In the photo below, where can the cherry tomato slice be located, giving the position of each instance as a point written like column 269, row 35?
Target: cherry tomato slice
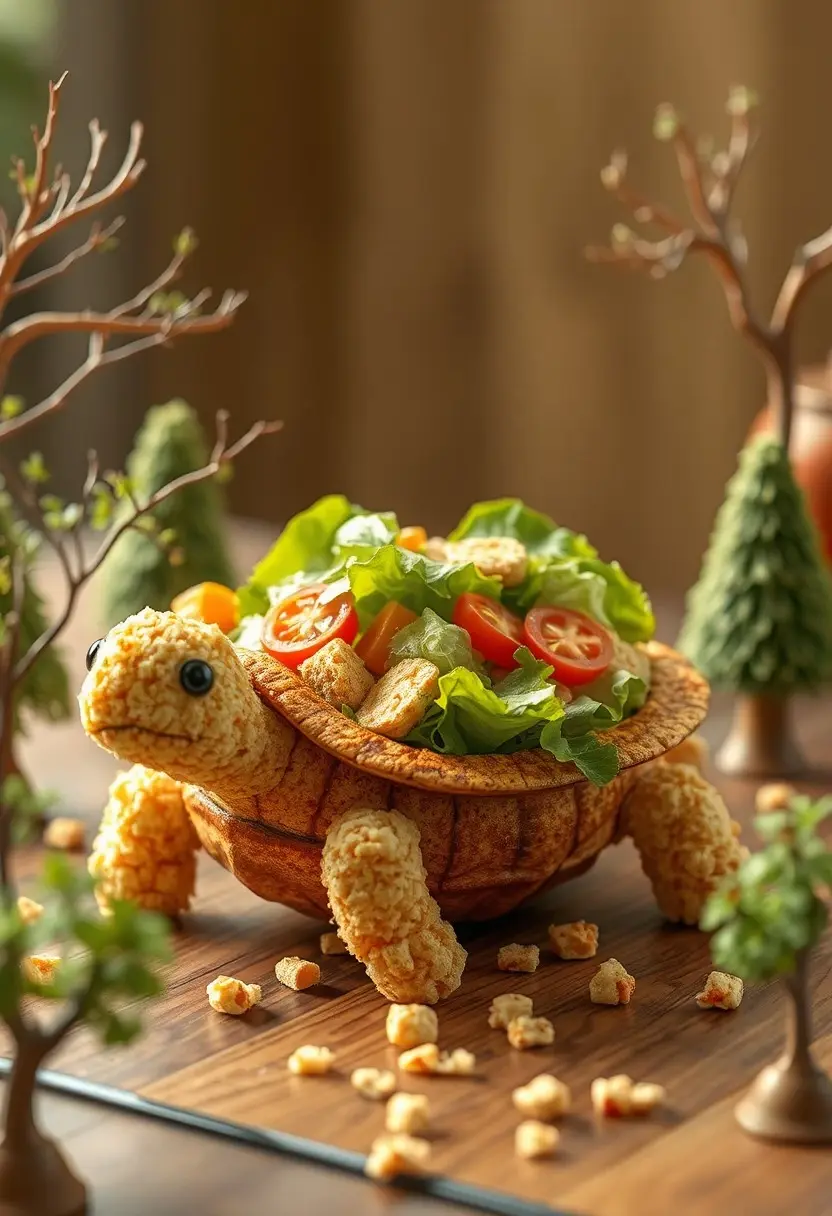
column 301, row 624
column 494, row 631
column 577, row 647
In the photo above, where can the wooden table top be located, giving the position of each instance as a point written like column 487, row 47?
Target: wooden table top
column 688, row 1159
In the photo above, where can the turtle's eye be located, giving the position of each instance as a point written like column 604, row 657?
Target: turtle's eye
column 196, row 677
column 92, row 653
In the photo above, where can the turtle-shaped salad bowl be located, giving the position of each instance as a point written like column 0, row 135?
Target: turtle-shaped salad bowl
column 272, row 770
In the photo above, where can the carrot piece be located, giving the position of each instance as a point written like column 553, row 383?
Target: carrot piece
column 374, row 646
column 412, row 538
column 209, row 602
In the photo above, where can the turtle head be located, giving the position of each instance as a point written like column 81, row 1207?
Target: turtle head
column 171, row 693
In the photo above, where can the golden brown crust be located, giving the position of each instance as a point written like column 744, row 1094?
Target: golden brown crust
column 676, row 706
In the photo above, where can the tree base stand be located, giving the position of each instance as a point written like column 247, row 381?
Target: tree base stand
column 761, row 742
column 37, row 1181
column 790, row 1104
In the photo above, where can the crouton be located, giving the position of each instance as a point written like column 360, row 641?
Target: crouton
column 297, row 973
column 40, row 968
column 499, row 557
column 545, row 1097
column 66, row 834
column 411, row 1025
column 525, row 1032
column 229, row 995
column 331, row 943
column 722, row 991
column 309, row 1061
column 407, row 1113
column 518, row 958
column 507, row 1007
column 29, row 910
column 775, row 796
column 337, row 674
column 533, row 1139
column 619, row 1096
column 373, row 1083
column 399, row 701
column 396, row 1154
column 575, row 940
column 611, row 984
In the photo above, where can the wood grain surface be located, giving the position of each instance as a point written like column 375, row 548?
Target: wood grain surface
column 690, row 1158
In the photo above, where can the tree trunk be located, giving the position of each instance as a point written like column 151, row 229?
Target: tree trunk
column 35, row 1180
column 761, row 742
column 791, row 1100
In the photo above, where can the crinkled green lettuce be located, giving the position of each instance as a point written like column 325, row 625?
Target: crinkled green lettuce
column 314, row 543
column 524, row 711
column 392, row 573
column 445, row 645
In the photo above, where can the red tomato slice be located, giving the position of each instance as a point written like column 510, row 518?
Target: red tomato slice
column 577, row 647
column 494, row 631
column 301, row 624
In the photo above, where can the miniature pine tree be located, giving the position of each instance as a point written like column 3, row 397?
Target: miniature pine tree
column 768, row 917
column 45, row 690
column 759, row 619
column 144, row 573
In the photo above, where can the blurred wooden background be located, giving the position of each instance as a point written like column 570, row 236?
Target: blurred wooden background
column 406, row 190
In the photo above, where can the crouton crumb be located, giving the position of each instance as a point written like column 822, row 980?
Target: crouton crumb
column 373, row 1083
column 29, row 910
column 227, row 995
column 297, row 973
column 611, row 984
column 408, row 1113
column 544, row 1097
column 721, row 991
column 525, row 1032
column 396, row 1154
column 41, row 968
column 775, row 796
column 533, row 1139
column 518, row 958
column 309, row 1061
column 411, row 1025
column 332, row 944
column 507, row 1007
column 619, row 1096
column 66, row 834
column 427, row 1059
column 579, row 939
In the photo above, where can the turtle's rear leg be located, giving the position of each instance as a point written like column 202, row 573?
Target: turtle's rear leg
column 376, row 882
column 685, row 836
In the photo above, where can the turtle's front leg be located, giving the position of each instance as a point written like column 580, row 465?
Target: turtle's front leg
column 376, row 882
column 684, row 834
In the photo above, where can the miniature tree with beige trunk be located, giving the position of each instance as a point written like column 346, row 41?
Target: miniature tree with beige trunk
column 759, row 620
column 106, row 961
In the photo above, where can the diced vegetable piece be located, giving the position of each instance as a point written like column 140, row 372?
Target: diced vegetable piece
column 414, row 538
column 209, row 602
column 374, row 646
column 298, row 626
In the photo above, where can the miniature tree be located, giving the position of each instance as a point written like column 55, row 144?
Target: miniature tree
column 768, row 918
column 116, row 955
column 760, row 740
column 45, row 692
column 171, row 442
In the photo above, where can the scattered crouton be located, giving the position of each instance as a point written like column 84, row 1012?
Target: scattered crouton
column 518, row 958
column 332, row 944
column 337, row 674
column 722, row 991
column 227, row 995
column 611, row 984
column 456, row 1063
column 421, row 1059
column 411, row 1025
column 399, row 701
column 373, row 1083
column 533, row 1139
column 394, row 1154
column 619, row 1096
column 544, row 1097
column 775, row 796
column 65, row 834
column 579, row 939
column 525, row 1032
column 40, row 968
column 408, row 1113
column 297, row 973
column 29, row 910
column 507, row 1007
column 500, row 557
column 309, row 1061
column 427, row 1059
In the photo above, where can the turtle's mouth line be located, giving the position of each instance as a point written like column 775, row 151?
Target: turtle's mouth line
column 145, row 730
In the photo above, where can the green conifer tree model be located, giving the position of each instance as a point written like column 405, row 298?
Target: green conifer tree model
column 141, row 573
column 760, row 617
column 45, row 690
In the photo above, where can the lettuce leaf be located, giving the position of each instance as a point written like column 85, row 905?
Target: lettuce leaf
column 468, row 718
column 429, row 637
column 391, row 573
column 511, row 517
column 573, row 737
column 312, row 545
column 600, row 589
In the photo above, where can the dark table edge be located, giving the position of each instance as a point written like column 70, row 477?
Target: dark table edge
column 283, row 1144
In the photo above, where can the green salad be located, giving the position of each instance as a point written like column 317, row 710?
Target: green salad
column 508, row 634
